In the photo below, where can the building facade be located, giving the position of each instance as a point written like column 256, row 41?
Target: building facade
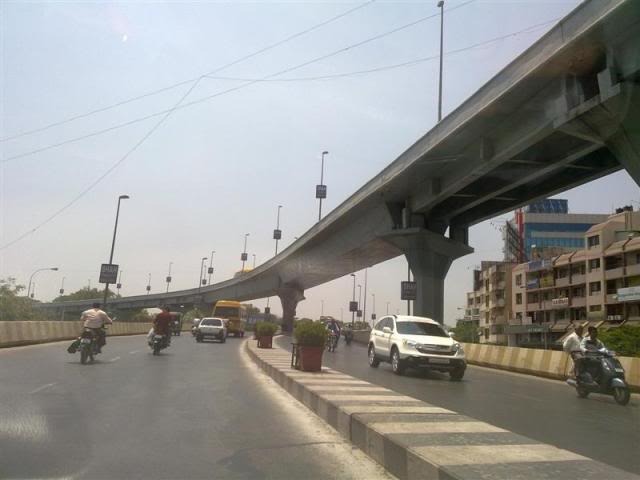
column 489, row 305
column 546, row 229
column 598, row 285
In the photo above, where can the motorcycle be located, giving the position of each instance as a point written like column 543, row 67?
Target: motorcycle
column 89, row 345
column 601, row 372
column 158, row 342
column 348, row 336
column 332, row 341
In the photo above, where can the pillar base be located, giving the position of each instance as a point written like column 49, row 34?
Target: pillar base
column 289, row 297
column 429, row 255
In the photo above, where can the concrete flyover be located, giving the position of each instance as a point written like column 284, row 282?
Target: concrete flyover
column 565, row 112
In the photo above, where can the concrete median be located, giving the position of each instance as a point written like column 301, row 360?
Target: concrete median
column 14, row 334
column 415, row 440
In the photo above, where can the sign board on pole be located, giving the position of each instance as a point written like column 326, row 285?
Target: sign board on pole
column 321, row 191
column 353, row 306
column 210, row 270
column 108, row 273
column 168, row 279
column 277, row 234
column 408, row 290
column 267, row 310
column 359, row 314
column 244, row 257
column 373, row 316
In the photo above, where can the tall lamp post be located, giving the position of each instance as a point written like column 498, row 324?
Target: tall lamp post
column 373, row 313
column 388, row 307
column 277, row 233
column 353, row 299
column 62, row 286
column 321, row 190
column 201, row 269
column 441, row 7
column 243, row 255
column 119, row 284
column 113, row 244
column 210, row 271
column 169, row 276
column 149, row 285
column 364, row 307
column 55, row 269
column 359, row 301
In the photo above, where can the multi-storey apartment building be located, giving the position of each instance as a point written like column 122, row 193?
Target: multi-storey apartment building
column 597, row 285
column 489, row 305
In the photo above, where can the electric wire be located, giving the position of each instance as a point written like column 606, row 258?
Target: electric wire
column 229, row 90
column 185, row 82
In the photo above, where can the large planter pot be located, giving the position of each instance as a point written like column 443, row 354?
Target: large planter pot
column 310, row 358
column 265, row 342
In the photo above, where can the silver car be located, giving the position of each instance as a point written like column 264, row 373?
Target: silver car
column 212, row 327
column 406, row 341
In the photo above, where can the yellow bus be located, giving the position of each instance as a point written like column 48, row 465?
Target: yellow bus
column 235, row 313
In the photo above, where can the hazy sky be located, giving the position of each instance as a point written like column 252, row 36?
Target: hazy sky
column 218, row 169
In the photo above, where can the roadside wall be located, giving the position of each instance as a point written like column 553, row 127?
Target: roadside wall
column 544, row 363
column 25, row 333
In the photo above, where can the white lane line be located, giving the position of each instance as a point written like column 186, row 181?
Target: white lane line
column 39, row 389
column 114, row 359
column 133, row 352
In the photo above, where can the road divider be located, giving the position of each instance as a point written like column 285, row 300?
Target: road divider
column 18, row 333
column 414, row 440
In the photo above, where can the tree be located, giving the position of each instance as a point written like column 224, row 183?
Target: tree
column 465, row 332
column 85, row 293
column 12, row 306
column 625, row 340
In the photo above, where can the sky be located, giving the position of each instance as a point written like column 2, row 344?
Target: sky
column 219, row 168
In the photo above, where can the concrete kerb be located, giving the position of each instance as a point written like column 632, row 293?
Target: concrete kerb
column 415, row 440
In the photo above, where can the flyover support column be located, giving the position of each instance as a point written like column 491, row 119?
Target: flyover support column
column 429, row 255
column 289, row 297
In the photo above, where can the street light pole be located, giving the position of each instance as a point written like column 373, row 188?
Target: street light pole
column 322, row 185
column 388, row 307
column 211, row 266
column 277, row 233
column 374, row 308
column 62, row 286
column 113, row 244
column 364, row 307
column 55, row 269
column 119, row 284
column 169, row 276
column 354, row 298
column 200, row 277
column 441, row 6
column 149, row 285
column 243, row 257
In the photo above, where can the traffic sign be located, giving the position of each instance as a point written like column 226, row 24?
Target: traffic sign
column 359, row 314
column 277, row 234
column 353, row 306
column 108, row 273
column 321, row 191
column 244, row 257
column 408, row 290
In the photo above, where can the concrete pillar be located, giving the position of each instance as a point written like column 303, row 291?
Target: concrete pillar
column 429, row 255
column 289, row 297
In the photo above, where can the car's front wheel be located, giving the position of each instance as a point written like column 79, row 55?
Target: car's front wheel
column 373, row 360
column 456, row 374
column 397, row 364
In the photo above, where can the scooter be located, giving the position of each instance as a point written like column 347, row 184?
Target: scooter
column 158, row 342
column 348, row 336
column 601, row 372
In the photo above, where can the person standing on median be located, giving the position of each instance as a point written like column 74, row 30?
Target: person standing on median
column 571, row 346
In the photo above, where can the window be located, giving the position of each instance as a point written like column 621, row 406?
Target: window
column 595, row 308
column 519, row 280
column 594, row 264
column 518, row 299
column 593, row 241
column 380, row 324
column 594, row 287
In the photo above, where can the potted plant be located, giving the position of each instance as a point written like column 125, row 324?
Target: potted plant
column 310, row 339
column 264, row 334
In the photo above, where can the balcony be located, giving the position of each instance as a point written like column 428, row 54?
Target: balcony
column 577, row 302
column 562, row 282
column 633, row 270
column 533, row 307
column 614, row 273
column 578, row 279
column 611, row 298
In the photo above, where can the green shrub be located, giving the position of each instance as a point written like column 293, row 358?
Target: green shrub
column 310, row 334
column 265, row 329
column 625, row 341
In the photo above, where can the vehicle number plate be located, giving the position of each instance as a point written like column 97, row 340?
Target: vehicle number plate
column 85, row 340
column 439, row 360
column 620, row 370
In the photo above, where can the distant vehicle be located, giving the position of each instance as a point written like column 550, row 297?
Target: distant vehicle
column 158, row 342
column 602, row 373
column 406, row 341
column 235, row 313
column 194, row 328
column 176, row 323
column 210, row 327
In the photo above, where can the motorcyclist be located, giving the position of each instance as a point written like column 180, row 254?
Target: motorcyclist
column 333, row 327
column 589, row 344
column 95, row 319
column 162, row 324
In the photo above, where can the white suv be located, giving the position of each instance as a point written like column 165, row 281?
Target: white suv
column 211, row 327
column 407, row 341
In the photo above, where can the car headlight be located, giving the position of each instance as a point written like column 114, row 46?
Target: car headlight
column 458, row 349
column 409, row 343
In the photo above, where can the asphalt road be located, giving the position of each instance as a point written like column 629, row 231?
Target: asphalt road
column 196, row 411
column 545, row 410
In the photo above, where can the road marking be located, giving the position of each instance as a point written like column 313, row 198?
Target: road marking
column 133, row 352
column 387, row 428
column 114, row 359
column 39, row 389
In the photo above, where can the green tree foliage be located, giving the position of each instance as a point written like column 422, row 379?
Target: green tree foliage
column 13, row 306
column 465, row 332
column 191, row 314
column 85, row 293
column 624, row 340
column 141, row 316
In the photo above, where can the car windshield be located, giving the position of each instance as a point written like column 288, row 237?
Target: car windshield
column 421, row 328
column 213, row 322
